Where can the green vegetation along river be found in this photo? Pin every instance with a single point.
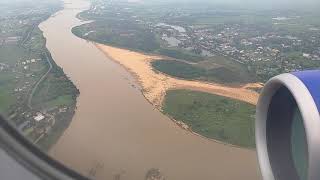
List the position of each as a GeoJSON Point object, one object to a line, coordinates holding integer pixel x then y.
{"type": "Point", "coordinates": [212, 116]}
{"type": "Point", "coordinates": [116, 133]}
{"type": "Point", "coordinates": [35, 94]}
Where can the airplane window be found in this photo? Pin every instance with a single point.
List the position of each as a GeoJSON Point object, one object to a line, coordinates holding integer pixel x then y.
{"type": "Point", "coordinates": [152, 89]}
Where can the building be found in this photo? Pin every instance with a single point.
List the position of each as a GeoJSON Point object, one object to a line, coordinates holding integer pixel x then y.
{"type": "Point", "coordinates": [39, 117]}
{"type": "Point", "coordinates": [12, 40]}
{"type": "Point", "coordinates": [306, 55]}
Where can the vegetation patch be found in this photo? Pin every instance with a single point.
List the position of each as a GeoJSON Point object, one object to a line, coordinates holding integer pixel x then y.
{"type": "Point", "coordinates": [22, 65]}
{"type": "Point", "coordinates": [64, 100]}
{"type": "Point", "coordinates": [178, 54]}
{"type": "Point", "coordinates": [220, 74]}
{"type": "Point", "coordinates": [178, 69]}
{"type": "Point", "coordinates": [129, 35]}
{"type": "Point", "coordinates": [224, 119]}
{"type": "Point", "coordinates": [119, 33]}
{"type": "Point", "coordinates": [6, 100]}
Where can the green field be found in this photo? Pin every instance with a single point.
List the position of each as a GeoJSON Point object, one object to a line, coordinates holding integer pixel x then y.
{"type": "Point", "coordinates": [56, 91]}
{"type": "Point", "coordinates": [179, 54]}
{"type": "Point", "coordinates": [213, 116]}
{"type": "Point", "coordinates": [218, 72]}
{"type": "Point", "coordinates": [16, 83]}
{"type": "Point", "coordinates": [11, 54]}
{"type": "Point", "coordinates": [6, 100]}
{"type": "Point", "coordinates": [65, 100]}
{"type": "Point", "coordinates": [6, 86]}
{"type": "Point", "coordinates": [178, 69]}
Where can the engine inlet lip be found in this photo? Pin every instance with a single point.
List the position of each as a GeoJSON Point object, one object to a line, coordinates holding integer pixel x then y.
{"type": "Point", "coordinates": [311, 121]}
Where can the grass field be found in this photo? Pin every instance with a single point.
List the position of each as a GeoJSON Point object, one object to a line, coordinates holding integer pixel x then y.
{"type": "Point", "coordinates": [64, 100]}
{"type": "Point", "coordinates": [212, 116]}
{"type": "Point", "coordinates": [6, 86]}
{"type": "Point", "coordinates": [11, 54]}
{"type": "Point", "coordinates": [178, 69]}
{"type": "Point", "coordinates": [6, 100]}
{"type": "Point", "coordinates": [179, 54]}
{"type": "Point", "coordinates": [56, 91]}
{"type": "Point", "coordinates": [16, 83]}
{"type": "Point", "coordinates": [212, 71]}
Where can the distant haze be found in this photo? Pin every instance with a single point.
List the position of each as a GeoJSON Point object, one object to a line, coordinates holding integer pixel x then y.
{"type": "Point", "coordinates": [278, 4]}
{"type": "Point", "coordinates": [271, 2]}
{"type": "Point", "coordinates": [250, 1]}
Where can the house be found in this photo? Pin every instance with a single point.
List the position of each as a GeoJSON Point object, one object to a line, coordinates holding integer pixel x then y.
{"type": "Point", "coordinates": [12, 40]}
{"type": "Point", "coordinates": [306, 55]}
{"type": "Point", "coordinates": [39, 117]}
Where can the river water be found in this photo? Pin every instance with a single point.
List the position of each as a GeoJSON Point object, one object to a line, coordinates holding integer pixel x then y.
{"type": "Point", "coordinates": [116, 133]}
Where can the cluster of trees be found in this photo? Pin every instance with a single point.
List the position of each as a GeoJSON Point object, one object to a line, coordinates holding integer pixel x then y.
{"type": "Point", "coordinates": [193, 72]}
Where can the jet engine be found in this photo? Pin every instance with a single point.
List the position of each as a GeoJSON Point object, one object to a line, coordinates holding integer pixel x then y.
{"type": "Point", "coordinates": [288, 127]}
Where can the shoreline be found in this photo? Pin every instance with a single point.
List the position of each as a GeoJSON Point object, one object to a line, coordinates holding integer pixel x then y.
{"type": "Point", "coordinates": [158, 105]}
{"type": "Point", "coordinates": [141, 69]}
{"type": "Point", "coordinates": [179, 124]}
{"type": "Point", "coordinates": [46, 140]}
{"type": "Point", "coordinates": [111, 108]}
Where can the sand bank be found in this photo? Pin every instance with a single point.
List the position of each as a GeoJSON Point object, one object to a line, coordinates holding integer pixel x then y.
{"type": "Point", "coordinates": [155, 84]}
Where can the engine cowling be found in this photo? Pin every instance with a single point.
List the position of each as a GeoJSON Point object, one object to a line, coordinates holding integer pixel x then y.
{"type": "Point", "coordinates": [288, 127]}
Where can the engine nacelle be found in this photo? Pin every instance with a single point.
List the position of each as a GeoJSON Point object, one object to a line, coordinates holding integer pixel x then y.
{"type": "Point", "coordinates": [288, 127]}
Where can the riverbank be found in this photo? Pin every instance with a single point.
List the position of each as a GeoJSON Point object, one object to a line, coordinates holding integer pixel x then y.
{"type": "Point", "coordinates": [118, 132]}
{"type": "Point", "coordinates": [154, 84]}
{"type": "Point", "coordinates": [35, 93]}
{"type": "Point", "coordinates": [213, 117]}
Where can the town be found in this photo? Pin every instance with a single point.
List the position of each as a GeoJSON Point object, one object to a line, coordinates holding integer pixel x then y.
{"type": "Point", "coordinates": [268, 44]}
{"type": "Point", "coordinates": [35, 94]}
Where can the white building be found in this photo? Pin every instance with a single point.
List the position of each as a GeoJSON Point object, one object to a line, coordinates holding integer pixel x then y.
{"type": "Point", "coordinates": [39, 117]}
{"type": "Point", "coordinates": [306, 55]}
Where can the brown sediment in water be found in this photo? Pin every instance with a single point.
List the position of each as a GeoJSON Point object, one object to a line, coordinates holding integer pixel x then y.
{"type": "Point", "coordinates": [155, 84]}
{"type": "Point", "coordinates": [116, 132]}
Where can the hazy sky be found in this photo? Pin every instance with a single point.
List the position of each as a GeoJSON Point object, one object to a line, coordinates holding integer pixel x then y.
{"type": "Point", "coordinates": [269, 1]}
{"type": "Point", "coordinates": [272, 1]}
{"type": "Point", "coordinates": [261, 3]}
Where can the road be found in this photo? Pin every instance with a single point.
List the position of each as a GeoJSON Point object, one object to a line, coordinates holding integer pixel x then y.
{"type": "Point", "coordinates": [34, 89]}
{"type": "Point", "coordinates": [32, 94]}
{"type": "Point", "coordinates": [27, 37]}
{"type": "Point", "coordinates": [40, 80]}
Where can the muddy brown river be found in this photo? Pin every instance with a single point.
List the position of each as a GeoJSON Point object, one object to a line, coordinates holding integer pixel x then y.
{"type": "Point", "coordinates": [116, 133]}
